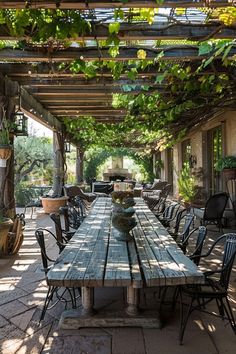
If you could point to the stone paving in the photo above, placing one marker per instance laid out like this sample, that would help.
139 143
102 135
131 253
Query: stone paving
22 293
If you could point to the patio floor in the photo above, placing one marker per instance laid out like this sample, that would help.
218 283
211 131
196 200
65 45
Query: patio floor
22 292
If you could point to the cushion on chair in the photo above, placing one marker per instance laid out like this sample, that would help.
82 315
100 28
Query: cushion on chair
199 212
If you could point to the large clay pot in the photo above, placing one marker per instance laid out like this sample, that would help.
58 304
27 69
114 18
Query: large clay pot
4 229
52 205
5 154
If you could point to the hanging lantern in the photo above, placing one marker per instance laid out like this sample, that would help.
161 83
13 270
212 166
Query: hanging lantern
20 127
67 147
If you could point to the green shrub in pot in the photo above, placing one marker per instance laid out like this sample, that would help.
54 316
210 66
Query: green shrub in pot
225 162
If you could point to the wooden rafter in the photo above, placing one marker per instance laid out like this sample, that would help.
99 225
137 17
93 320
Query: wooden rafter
182 53
144 31
89 4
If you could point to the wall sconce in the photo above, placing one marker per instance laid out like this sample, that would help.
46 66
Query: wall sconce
67 147
192 161
20 125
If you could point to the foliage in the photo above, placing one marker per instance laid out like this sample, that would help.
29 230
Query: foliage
225 162
4 132
33 156
187 183
98 156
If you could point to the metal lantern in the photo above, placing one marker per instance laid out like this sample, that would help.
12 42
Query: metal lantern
67 147
20 124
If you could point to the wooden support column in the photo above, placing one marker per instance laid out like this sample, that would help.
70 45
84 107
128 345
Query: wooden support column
59 163
79 165
9 97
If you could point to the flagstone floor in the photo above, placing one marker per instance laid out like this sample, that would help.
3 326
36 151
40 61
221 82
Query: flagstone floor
22 292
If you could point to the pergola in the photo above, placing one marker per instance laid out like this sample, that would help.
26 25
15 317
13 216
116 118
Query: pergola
34 78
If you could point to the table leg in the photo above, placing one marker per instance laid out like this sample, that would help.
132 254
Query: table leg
87 300
133 301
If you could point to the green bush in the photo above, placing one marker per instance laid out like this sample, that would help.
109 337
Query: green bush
225 162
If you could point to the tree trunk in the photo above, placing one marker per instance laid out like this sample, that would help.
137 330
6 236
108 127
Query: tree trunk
79 165
59 164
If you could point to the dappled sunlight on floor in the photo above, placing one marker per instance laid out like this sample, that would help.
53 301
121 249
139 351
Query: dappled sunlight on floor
23 290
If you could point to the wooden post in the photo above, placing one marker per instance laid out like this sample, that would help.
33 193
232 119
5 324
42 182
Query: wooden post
79 165
9 97
59 163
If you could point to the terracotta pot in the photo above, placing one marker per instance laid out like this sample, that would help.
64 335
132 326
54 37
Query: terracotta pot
4 229
5 152
229 173
52 205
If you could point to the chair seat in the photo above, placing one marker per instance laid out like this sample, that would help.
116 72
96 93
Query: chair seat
212 289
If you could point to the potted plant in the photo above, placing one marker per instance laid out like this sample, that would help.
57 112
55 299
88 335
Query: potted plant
187 185
5 145
227 165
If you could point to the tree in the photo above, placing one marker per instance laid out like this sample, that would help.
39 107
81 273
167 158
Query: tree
32 154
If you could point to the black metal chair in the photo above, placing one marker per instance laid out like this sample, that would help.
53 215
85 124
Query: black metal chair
54 292
72 217
61 234
187 221
174 226
213 211
201 295
169 214
201 236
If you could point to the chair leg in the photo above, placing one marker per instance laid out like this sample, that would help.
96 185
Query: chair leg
49 297
230 315
184 321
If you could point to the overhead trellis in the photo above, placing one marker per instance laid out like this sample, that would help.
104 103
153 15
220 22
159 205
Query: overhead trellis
77 59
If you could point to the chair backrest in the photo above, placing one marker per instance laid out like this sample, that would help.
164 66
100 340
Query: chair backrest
188 219
46 260
58 228
72 216
228 259
231 189
215 206
178 219
202 231
170 210
73 191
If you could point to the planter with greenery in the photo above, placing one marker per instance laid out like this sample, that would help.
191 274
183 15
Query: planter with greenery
187 185
5 145
226 165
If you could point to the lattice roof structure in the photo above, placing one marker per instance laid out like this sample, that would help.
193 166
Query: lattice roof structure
50 90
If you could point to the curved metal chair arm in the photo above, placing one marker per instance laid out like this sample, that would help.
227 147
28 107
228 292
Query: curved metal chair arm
213 246
189 235
59 244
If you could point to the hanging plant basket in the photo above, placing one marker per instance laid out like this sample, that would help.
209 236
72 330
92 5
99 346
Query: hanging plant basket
5 154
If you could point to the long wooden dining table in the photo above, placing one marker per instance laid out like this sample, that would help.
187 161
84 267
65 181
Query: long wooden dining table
94 258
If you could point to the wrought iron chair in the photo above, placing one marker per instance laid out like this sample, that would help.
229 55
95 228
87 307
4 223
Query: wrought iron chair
53 291
169 214
61 234
201 295
174 226
213 211
186 220
231 189
201 235
72 217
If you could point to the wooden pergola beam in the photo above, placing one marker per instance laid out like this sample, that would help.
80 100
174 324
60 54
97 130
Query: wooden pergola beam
35 110
22 72
144 31
101 4
183 53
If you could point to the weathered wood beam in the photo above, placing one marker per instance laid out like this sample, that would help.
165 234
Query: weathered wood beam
35 110
71 100
144 31
51 71
80 82
95 113
183 53
101 4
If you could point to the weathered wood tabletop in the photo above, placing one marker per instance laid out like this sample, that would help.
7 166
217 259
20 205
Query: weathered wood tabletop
94 258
